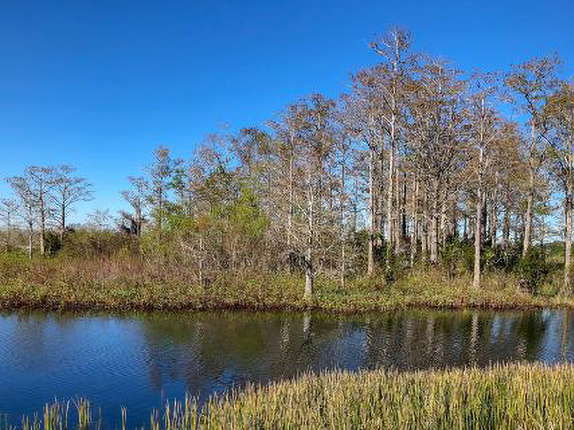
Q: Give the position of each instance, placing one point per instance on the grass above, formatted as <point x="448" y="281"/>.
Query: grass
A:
<point x="134" y="284"/>
<point x="502" y="397"/>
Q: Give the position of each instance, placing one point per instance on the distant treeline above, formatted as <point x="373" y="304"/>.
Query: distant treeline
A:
<point x="416" y="164"/>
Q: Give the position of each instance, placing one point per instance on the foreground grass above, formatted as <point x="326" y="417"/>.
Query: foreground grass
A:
<point x="507" y="397"/>
<point x="131" y="284"/>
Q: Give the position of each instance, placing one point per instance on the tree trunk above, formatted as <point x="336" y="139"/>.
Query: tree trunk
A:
<point x="443" y="220"/>
<point x="30" y="241"/>
<point x="371" y="243"/>
<point x="342" y="215"/>
<point x="403" y="210"/>
<point x="484" y="217"/>
<point x="477" y="239"/>
<point x="480" y="212"/>
<point x="62" y="223"/>
<point x="494" y="214"/>
<point x="528" y="215"/>
<point x="42" y="232"/>
<point x="424" y="228"/>
<point x="530" y="200"/>
<point x="434" y="225"/>
<point x="290" y="209"/>
<point x="390" y="199"/>
<point x="493" y="224"/>
<point x="415" y="218"/>
<point x="309" y="275"/>
<point x="568" y="235"/>
<point x="506" y="228"/>
<point x="397" y="211"/>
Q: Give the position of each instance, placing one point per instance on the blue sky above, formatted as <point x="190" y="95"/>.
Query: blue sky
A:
<point x="100" y="84"/>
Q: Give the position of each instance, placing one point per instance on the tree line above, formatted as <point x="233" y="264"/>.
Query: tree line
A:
<point x="416" y="162"/>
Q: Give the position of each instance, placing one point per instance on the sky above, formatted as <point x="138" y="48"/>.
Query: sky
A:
<point x="100" y="84"/>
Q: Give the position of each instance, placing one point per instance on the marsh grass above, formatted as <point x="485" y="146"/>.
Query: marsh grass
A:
<point x="128" y="283"/>
<point x="501" y="397"/>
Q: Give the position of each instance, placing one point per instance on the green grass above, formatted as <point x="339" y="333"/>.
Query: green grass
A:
<point x="134" y="284"/>
<point x="502" y="397"/>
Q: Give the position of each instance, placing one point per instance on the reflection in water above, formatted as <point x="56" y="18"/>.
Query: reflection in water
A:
<point x="141" y="360"/>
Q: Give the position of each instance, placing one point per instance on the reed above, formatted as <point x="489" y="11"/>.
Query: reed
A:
<point x="132" y="284"/>
<point x="501" y="397"/>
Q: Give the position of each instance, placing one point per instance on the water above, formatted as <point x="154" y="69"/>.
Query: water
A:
<point x="141" y="360"/>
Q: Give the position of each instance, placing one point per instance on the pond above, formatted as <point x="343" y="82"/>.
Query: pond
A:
<point x="142" y="360"/>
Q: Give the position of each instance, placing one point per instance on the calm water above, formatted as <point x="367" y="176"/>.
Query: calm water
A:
<point x="142" y="360"/>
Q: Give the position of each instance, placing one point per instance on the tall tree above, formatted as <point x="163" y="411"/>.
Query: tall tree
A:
<point x="482" y="119"/>
<point x="9" y="209"/>
<point x="35" y="188"/>
<point x="68" y="190"/>
<point x="363" y="112"/>
<point x="392" y="83"/>
<point x="137" y="199"/>
<point x="436" y="142"/>
<point x="558" y="120"/>
<point x="531" y="83"/>
<point x="28" y="208"/>
<point x="160" y="172"/>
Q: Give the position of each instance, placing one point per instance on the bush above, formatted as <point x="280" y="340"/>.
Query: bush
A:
<point x="457" y="254"/>
<point x="533" y="269"/>
<point x="502" y="258"/>
<point x="90" y="244"/>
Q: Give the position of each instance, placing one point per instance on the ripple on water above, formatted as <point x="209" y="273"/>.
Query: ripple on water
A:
<point x="142" y="360"/>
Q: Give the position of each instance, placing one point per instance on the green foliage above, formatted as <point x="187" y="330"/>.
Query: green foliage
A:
<point x="468" y="256"/>
<point x="393" y="265"/>
<point x="460" y="253"/>
<point x="457" y="254"/>
<point x="505" y="259"/>
<point x="533" y="269"/>
<point x="94" y="243"/>
<point x="52" y="242"/>
<point x="245" y="217"/>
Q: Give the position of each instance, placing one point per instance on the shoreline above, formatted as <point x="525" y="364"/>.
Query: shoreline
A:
<point x="48" y="299"/>
<point x="499" y="396"/>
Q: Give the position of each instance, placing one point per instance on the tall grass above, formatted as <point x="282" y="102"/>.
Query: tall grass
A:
<point x="502" y="397"/>
<point x="128" y="282"/>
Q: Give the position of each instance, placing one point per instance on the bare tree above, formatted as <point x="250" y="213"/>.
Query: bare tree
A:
<point x="558" y="125"/>
<point x="436" y="143"/>
<point x="9" y="210"/>
<point x="482" y="118"/>
<point x="363" y="117"/>
<point x="391" y="84"/>
<point x="35" y="188"/>
<point x="137" y="198"/>
<point x="67" y="191"/>
<point x="532" y="82"/>
<point x="160" y="173"/>
<point x="100" y="219"/>
<point x="28" y="207"/>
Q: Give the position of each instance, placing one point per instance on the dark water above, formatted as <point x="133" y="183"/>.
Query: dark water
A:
<point x="142" y="360"/>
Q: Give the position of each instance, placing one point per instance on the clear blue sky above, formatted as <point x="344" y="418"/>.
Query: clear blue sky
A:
<point x="100" y="84"/>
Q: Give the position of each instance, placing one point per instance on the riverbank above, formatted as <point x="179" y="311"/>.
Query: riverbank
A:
<point x="502" y="397"/>
<point x="105" y="285"/>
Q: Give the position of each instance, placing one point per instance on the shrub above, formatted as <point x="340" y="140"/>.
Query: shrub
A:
<point x="533" y="269"/>
<point x="90" y="244"/>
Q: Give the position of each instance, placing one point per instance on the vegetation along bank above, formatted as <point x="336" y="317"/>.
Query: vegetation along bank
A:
<point x="501" y="397"/>
<point x="420" y="185"/>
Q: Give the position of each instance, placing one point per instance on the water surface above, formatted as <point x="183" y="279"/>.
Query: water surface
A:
<point x="141" y="360"/>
